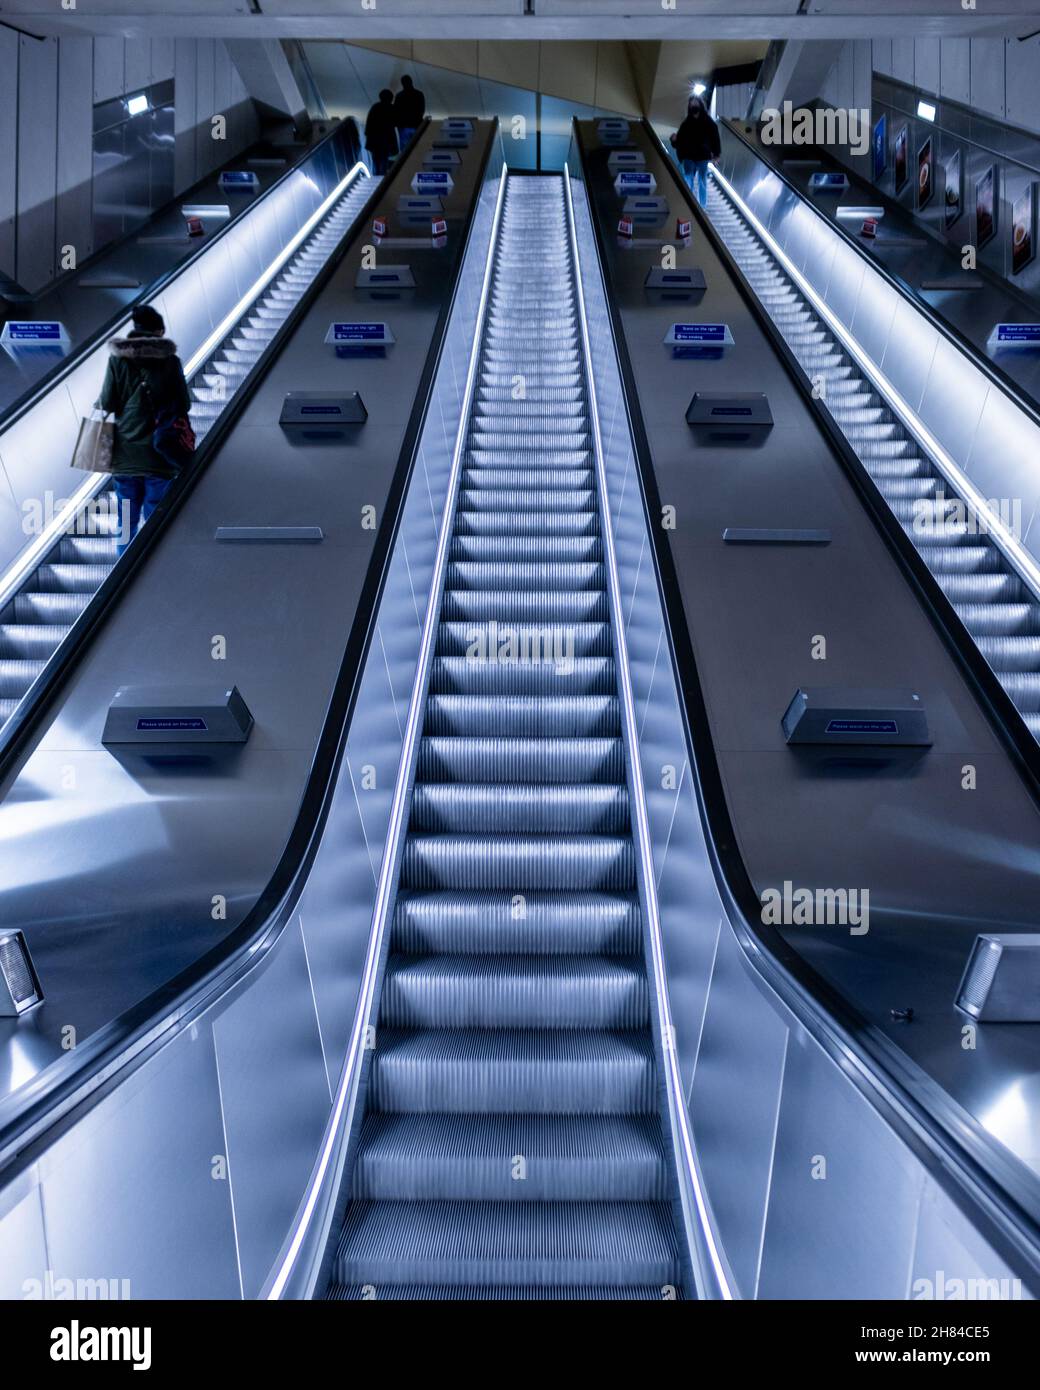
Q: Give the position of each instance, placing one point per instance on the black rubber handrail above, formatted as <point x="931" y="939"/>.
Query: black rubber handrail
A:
<point x="1003" y="1199"/>
<point x="991" y="369"/>
<point x="103" y="1060"/>
<point x="17" y="408"/>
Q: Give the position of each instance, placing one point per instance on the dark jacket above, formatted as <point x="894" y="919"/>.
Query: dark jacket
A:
<point x="144" y="376"/>
<point x="380" y="131"/>
<point x="409" y="108"/>
<point x="698" y="139"/>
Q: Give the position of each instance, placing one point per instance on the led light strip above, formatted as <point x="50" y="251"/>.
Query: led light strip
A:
<point x="712" y="1282"/>
<point x="1017" y="556"/>
<point x="342" y="1116"/>
<point x="218" y="335"/>
<point x="15" y="577"/>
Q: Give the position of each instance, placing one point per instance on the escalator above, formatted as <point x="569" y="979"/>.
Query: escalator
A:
<point x="513" y="1145"/>
<point x="997" y="607"/>
<point x="39" y="616"/>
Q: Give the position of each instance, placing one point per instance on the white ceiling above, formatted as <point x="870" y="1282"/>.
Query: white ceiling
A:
<point x="535" y="19"/>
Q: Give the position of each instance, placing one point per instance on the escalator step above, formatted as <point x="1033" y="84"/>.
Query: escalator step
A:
<point x="556" y="642"/>
<point x="520" y="991"/>
<point x="517" y="760"/>
<point x="563" y="1071"/>
<point x="525" y="809"/>
<point x="564" y="923"/>
<point x="523" y="716"/>
<point x="539" y="1243"/>
<point x="612" y="1158"/>
<point x="585" y="675"/>
<point x="578" y="863"/>
<point x="506" y="1293"/>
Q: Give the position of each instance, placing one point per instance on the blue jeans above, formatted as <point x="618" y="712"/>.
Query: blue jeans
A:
<point x="138" y="498"/>
<point x="696" y="171"/>
<point x="405" y="134"/>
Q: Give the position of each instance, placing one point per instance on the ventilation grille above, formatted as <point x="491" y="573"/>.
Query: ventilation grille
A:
<point x="979" y="975"/>
<point x="16" y="971"/>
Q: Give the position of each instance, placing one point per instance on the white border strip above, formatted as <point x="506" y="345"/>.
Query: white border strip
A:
<point x="1017" y="556"/>
<point x="713" y="1280"/>
<point x="343" y="1110"/>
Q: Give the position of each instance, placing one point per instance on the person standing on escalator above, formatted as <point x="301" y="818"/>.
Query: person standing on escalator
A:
<point x="381" y="132"/>
<point x="409" y="109"/>
<point x="145" y="390"/>
<point x="697" y="143"/>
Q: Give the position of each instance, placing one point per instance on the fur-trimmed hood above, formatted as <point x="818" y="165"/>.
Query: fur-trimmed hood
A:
<point x="137" y="348"/>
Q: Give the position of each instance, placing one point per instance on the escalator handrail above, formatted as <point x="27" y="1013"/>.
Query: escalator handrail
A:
<point x="12" y="413"/>
<point x="106" y="1057"/>
<point x="996" y="374"/>
<point x="962" y="1158"/>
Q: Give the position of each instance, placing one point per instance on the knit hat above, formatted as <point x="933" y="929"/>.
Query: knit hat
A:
<point x="147" y="320"/>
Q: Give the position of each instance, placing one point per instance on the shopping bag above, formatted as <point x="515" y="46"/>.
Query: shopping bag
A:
<point x="94" y="445"/>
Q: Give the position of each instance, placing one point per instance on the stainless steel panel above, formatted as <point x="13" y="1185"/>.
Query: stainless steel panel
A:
<point x="275" y="1099"/>
<point x="37" y="97"/>
<point x="160" y="1132"/>
<point x="952" y="1261"/>
<point x="23" y="1241"/>
<point x="843" y="1192"/>
<point x="741" y="1053"/>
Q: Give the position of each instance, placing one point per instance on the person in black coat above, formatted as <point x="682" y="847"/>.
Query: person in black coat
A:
<point x="696" y="144"/>
<point x="381" y="132"/>
<point x="409" y="109"/>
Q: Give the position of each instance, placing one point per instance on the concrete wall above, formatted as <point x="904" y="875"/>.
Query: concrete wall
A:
<point x="45" y="188"/>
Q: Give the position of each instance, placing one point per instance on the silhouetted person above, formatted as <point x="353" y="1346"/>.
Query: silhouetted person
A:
<point x="696" y="144"/>
<point x="381" y="132"/>
<point x="409" y="109"/>
<point x="145" y="390"/>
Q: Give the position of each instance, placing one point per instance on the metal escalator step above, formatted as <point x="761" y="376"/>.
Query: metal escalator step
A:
<point x="543" y="549"/>
<point x="550" y="863"/>
<point x="613" y="1158"/>
<point x="497" y="500"/>
<point x="1011" y="653"/>
<point x="514" y="1071"/>
<point x="517" y="760"/>
<point x="546" y="923"/>
<point x="549" y="480"/>
<point x="1000" y="619"/>
<point x="520" y="809"/>
<point x="585" y="675"/>
<point x="78" y="550"/>
<point x="521" y="991"/>
<point x="525" y="605"/>
<point x="966" y="558"/>
<point x="7" y="708"/>
<point x="574" y="523"/>
<point x="1024" y="689"/>
<point x="36" y="641"/>
<point x="524" y="574"/>
<point x="523" y="716"/>
<point x="505" y="1293"/>
<point x="539" y="1243"/>
<point x="989" y="587"/>
<point x="16" y="676"/>
<point x="529" y="459"/>
<point x="497" y="641"/>
<point x="71" y="579"/>
<point x="51" y="609"/>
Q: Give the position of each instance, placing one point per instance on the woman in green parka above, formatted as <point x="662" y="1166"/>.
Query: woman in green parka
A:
<point x="144" y="380"/>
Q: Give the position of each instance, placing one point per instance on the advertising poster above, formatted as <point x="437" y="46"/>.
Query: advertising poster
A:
<point x="986" y="206"/>
<point x="1023" y="229"/>
<point x="880" y="148"/>
<point x="952" y="185"/>
<point x="901" y="145"/>
<point x="925" y="175"/>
